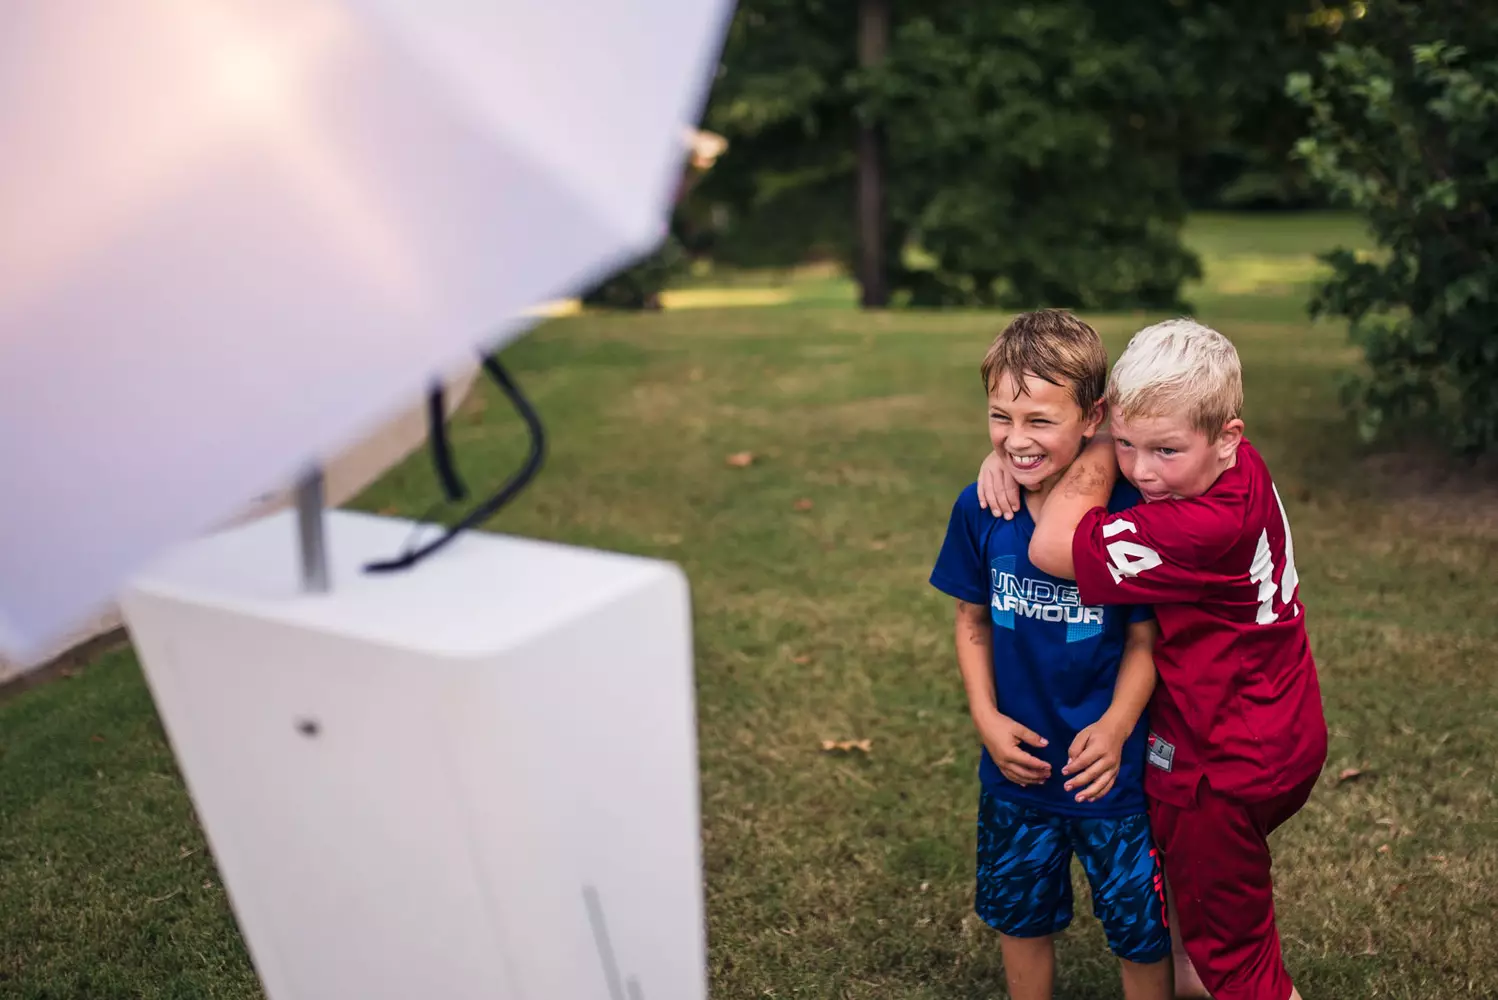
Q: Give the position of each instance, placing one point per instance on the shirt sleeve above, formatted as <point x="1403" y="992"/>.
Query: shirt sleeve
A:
<point x="1141" y="613"/>
<point x="959" y="569"/>
<point x="1159" y="553"/>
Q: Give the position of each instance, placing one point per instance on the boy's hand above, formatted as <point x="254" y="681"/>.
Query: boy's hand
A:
<point x="997" y="490"/>
<point x="1003" y="737"/>
<point x="1094" y="759"/>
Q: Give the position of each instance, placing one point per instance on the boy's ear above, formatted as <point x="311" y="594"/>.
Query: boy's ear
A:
<point x="1229" y="438"/>
<point x="1096" y="417"/>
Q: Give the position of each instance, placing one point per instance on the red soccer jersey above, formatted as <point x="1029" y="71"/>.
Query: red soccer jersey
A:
<point x="1238" y="700"/>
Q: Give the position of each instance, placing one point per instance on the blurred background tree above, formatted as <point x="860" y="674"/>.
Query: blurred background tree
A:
<point x="1404" y="129"/>
<point x="1033" y="153"/>
<point x="639" y="286"/>
<point x="1019" y="155"/>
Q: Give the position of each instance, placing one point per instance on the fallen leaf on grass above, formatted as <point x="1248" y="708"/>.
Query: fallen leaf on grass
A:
<point x="804" y="504"/>
<point x="1439" y="859"/>
<point x="474" y="406"/>
<point x="96" y="738"/>
<point x="950" y="758"/>
<point x="1349" y="774"/>
<point x="163" y="899"/>
<point x="69" y="672"/>
<point x="803" y="659"/>
<point x="879" y="546"/>
<point x="864" y="745"/>
<point x="741" y="459"/>
<point x="1369" y="949"/>
<point x="1383" y="849"/>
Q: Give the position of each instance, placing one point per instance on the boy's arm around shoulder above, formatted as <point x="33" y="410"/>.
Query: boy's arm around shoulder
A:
<point x="1088" y="483"/>
<point x="1164" y="552"/>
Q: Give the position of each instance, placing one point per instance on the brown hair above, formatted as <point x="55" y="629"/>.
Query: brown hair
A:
<point x="1054" y="345"/>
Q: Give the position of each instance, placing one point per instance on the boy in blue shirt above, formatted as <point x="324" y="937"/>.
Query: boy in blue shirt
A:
<point x="1057" y="689"/>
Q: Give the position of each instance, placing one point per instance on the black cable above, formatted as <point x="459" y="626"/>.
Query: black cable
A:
<point x="490" y="507"/>
<point x="442" y="452"/>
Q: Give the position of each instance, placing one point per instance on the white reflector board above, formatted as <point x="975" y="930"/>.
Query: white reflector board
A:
<point x="474" y="779"/>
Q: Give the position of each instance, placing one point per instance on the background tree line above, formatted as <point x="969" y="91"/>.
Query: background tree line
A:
<point x="1015" y="155"/>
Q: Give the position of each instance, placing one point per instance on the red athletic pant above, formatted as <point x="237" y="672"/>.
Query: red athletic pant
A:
<point x="1216" y="857"/>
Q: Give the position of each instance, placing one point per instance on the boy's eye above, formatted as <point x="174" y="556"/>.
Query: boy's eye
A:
<point x="1124" y="444"/>
<point x="1167" y="452"/>
<point x="998" y="416"/>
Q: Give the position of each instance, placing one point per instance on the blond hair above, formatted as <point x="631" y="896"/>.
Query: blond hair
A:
<point x="1054" y="345"/>
<point x="1179" y="366"/>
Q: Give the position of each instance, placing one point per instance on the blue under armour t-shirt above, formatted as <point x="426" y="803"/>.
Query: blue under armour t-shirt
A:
<point x="1055" y="660"/>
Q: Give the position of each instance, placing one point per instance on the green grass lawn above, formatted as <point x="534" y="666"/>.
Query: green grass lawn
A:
<point x="850" y="876"/>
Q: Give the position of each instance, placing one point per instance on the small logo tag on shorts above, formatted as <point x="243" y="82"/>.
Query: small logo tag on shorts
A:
<point x="1161" y="754"/>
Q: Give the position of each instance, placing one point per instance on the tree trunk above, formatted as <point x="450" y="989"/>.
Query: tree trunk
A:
<point x="873" y="41"/>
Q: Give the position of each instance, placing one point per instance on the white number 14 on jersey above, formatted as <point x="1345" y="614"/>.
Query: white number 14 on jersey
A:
<point x="1262" y="571"/>
<point x="1127" y="558"/>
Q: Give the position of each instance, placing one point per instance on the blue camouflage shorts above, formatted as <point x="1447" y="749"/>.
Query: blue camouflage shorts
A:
<point x="1024" y="875"/>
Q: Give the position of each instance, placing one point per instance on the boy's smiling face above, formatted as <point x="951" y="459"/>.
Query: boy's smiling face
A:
<point x="1037" y="427"/>
<point x="1168" y="458"/>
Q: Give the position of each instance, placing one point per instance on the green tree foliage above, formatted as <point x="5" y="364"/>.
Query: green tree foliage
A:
<point x="1020" y="157"/>
<point x="785" y="102"/>
<point x="1035" y="150"/>
<point x="639" y="285"/>
<point x="1029" y="157"/>
<point x="1237" y="146"/>
<point x="1404" y="114"/>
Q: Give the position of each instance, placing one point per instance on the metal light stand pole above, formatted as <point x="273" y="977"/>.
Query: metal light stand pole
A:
<point x="309" y="519"/>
